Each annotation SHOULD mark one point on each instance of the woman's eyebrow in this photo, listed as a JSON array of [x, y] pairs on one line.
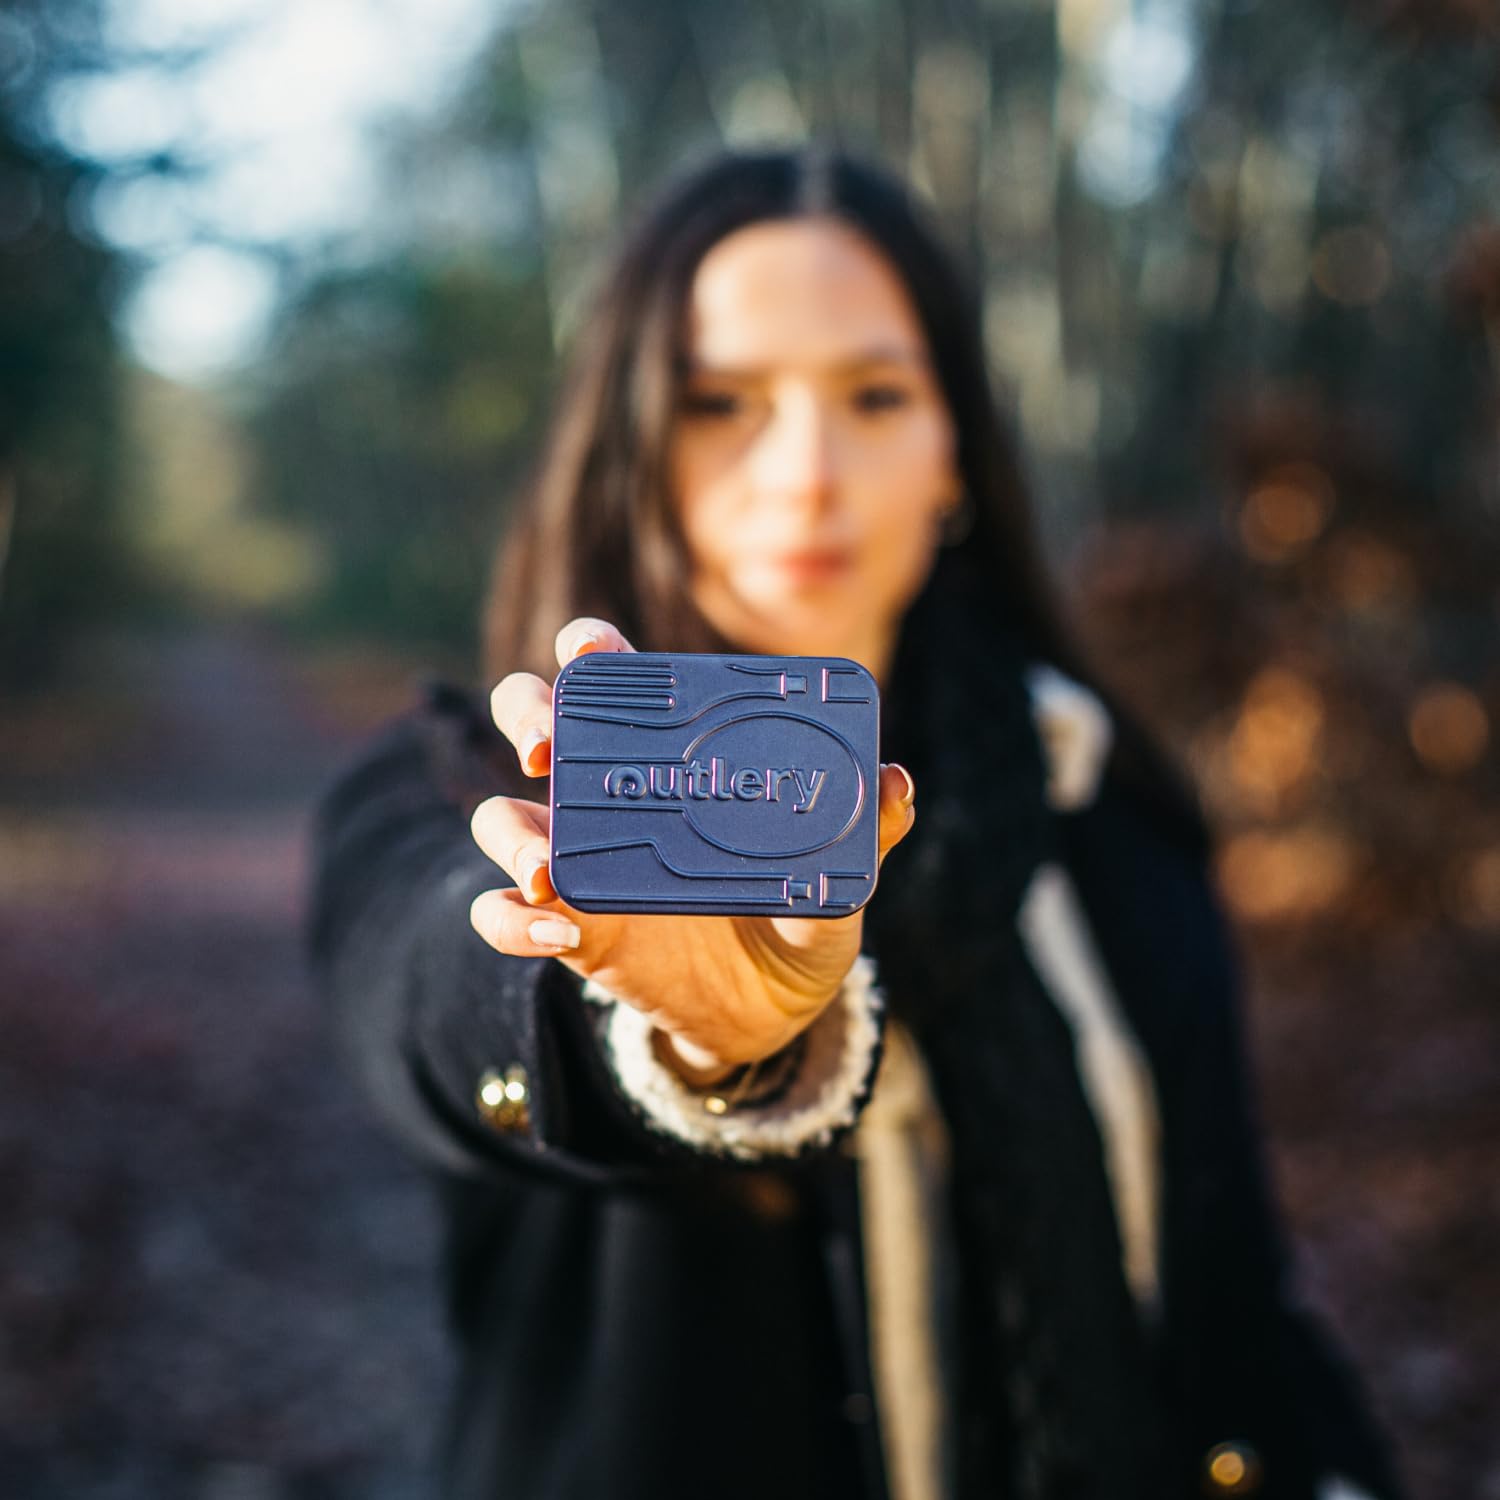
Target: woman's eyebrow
[[883, 354]]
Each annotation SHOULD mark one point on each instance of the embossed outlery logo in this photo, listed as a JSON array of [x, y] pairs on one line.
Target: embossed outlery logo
[[719, 784], [715, 782]]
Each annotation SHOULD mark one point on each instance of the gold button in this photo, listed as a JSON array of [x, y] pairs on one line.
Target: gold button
[[504, 1098], [1231, 1469], [858, 1408]]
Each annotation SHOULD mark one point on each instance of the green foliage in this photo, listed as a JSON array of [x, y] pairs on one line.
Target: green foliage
[[61, 558], [400, 402]]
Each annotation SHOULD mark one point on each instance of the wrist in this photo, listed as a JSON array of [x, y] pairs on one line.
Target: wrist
[[726, 1086], [700, 1067], [696, 1066], [795, 1100]]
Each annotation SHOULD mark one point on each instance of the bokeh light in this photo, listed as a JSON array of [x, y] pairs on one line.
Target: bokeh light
[[1449, 728]]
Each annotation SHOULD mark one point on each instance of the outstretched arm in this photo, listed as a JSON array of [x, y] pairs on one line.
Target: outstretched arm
[[476, 1058]]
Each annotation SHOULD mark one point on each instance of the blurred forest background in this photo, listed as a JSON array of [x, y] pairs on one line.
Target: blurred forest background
[[1241, 266]]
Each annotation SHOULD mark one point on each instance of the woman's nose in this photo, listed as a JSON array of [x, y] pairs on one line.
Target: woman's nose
[[797, 457]]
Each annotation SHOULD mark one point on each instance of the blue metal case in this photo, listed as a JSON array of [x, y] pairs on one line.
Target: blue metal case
[[715, 785]]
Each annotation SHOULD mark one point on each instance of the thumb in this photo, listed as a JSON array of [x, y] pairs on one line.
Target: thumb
[[897, 806], [897, 815]]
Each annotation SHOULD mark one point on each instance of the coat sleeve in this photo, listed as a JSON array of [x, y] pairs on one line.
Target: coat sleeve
[[477, 1060]]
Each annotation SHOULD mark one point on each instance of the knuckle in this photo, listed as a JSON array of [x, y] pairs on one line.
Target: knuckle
[[486, 916], [490, 824], [503, 698], [486, 815], [518, 692], [511, 929], [501, 921]]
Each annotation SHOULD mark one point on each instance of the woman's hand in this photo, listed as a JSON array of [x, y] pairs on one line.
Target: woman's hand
[[726, 990]]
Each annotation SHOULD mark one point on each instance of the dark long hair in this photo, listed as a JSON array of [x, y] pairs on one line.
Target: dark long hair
[[595, 533]]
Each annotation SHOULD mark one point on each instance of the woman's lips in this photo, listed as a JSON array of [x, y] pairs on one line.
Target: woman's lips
[[814, 566]]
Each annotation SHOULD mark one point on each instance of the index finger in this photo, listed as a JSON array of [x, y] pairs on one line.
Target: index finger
[[586, 634]]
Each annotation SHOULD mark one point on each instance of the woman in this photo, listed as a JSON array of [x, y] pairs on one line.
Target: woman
[[957, 1196]]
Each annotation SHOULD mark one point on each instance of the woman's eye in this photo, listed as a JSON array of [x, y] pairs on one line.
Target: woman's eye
[[873, 398], [711, 404]]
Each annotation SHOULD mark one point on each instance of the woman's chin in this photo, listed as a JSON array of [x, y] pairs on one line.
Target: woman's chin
[[794, 620], [800, 618]]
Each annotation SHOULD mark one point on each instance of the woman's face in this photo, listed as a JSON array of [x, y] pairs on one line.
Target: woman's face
[[812, 451]]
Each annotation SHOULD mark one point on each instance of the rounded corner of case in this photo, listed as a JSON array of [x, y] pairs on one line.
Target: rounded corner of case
[[849, 662]]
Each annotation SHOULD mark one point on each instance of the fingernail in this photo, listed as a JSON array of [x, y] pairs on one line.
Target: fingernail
[[531, 743], [555, 932], [911, 786], [586, 638], [529, 870]]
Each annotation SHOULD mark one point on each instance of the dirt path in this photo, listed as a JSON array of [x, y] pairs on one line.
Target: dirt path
[[214, 1279]]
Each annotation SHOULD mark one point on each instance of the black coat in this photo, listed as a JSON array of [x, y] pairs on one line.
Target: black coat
[[633, 1323]]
